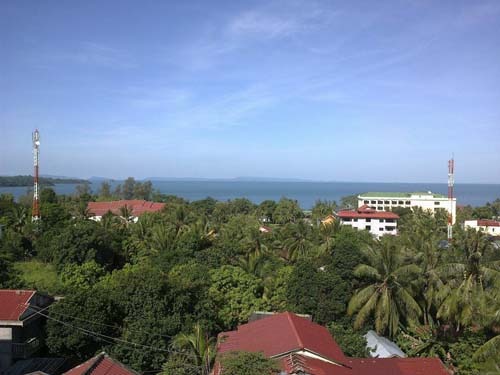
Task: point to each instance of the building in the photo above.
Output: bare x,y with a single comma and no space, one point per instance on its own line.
20,325
382,347
386,201
101,364
491,227
376,222
136,208
302,347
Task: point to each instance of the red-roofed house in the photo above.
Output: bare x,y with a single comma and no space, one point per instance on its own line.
101,364
366,218
491,227
20,325
136,207
306,348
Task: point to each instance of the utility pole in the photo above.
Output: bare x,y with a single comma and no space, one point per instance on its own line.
451,182
36,186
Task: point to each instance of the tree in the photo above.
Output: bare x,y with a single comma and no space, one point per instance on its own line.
8,276
352,343
128,188
265,211
321,209
105,191
321,293
246,363
235,293
287,211
387,294
469,281
298,242
198,348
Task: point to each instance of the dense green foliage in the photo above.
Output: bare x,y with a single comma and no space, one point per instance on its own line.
243,363
154,294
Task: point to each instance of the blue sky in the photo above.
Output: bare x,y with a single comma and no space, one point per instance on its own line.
333,90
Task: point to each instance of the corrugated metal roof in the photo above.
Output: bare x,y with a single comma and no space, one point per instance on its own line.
13,303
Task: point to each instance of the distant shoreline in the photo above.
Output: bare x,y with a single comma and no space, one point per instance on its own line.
27,180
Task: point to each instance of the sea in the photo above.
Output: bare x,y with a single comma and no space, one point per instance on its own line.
306,193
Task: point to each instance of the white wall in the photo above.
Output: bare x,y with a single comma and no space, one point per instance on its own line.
378,227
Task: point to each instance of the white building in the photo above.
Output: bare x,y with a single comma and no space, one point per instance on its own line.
386,201
376,222
491,227
381,347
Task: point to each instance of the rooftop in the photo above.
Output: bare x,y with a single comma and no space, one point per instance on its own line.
365,212
385,194
101,364
136,206
14,303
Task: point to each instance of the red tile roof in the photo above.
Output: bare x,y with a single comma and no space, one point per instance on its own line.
488,223
365,212
280,334
101,364
13,303
398,366
301,345
138,207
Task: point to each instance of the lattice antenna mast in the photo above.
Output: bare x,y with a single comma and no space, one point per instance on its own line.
451,182
36,187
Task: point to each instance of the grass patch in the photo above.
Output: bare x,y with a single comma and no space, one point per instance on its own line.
38,275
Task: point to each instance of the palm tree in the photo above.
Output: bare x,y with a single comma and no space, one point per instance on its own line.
252,263
19,215
469,283
298,241
126,214
198,348
254,242
327,233
387,294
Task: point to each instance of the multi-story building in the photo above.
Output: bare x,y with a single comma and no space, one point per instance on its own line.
491,227
20,324
376,222
386,201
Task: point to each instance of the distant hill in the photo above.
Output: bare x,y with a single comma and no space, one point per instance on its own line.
47,181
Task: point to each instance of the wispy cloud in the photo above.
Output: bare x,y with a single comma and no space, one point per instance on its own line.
95,54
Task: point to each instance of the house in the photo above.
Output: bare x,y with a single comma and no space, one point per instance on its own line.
302,347
382,347
386,201
491,227
376,222
20,324
101,364
136,208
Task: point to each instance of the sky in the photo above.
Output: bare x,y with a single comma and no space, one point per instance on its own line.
323,90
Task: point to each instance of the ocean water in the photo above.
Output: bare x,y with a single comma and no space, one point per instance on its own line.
306,193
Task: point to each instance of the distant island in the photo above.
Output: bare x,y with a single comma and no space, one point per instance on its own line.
46,181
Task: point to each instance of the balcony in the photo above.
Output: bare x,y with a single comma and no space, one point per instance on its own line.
26,349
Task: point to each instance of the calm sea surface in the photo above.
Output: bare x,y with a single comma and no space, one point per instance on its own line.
306,193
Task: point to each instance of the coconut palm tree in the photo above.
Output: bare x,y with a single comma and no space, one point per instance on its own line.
387,294
198,348
298,241
19,215
471,282
327,233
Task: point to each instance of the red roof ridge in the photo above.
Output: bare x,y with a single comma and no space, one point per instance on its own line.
294,329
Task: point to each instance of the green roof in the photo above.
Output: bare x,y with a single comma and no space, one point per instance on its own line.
385,194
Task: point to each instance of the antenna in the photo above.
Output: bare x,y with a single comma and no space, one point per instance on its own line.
451,182
36,188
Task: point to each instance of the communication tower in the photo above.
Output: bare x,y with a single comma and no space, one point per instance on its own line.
451,182
36,187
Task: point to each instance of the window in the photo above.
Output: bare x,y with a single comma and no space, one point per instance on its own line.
379,202
381,220
408,203
394,202
380,208
374,202
355,220
346,219
368,227
389,220
390,228
400,202
437,203
386,202
381,229
366,202
368,220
